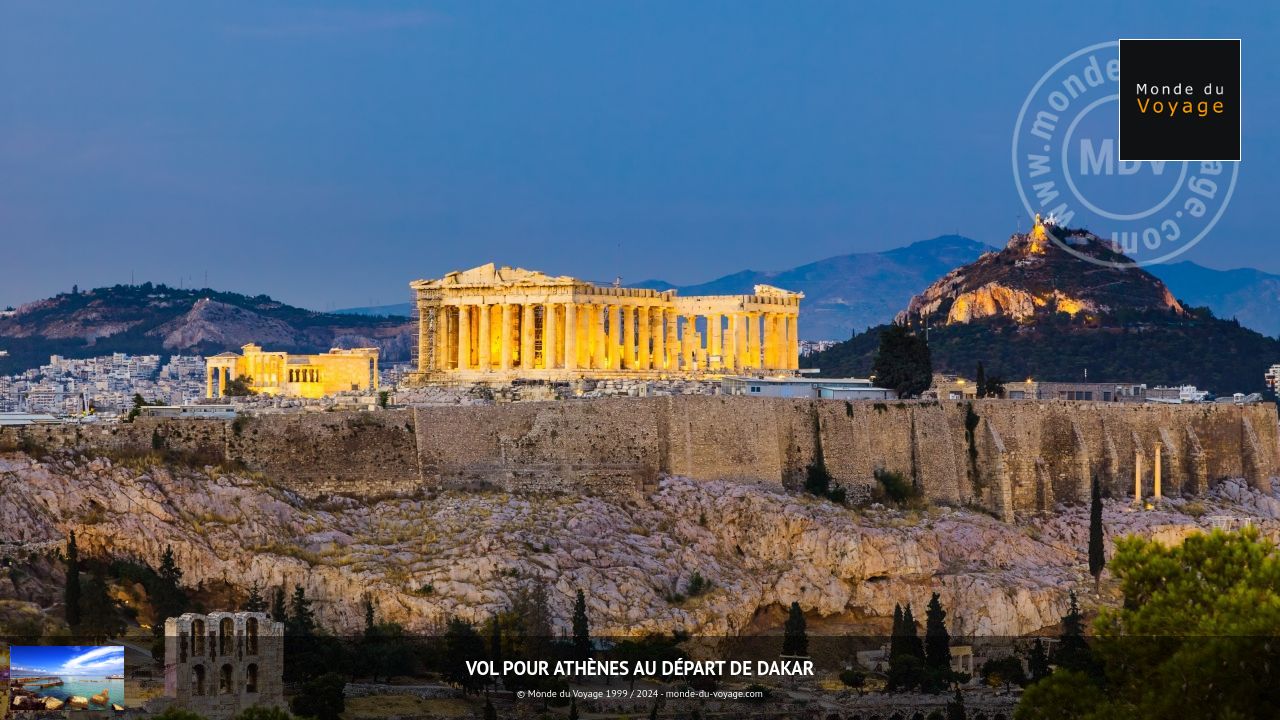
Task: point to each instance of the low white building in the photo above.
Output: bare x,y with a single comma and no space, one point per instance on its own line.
1273,378
791,387
215,412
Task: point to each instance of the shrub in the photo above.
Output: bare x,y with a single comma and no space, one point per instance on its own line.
895,486
853,678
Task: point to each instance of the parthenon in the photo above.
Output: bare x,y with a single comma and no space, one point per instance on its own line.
497,324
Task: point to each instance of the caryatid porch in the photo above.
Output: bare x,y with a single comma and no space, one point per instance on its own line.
501,324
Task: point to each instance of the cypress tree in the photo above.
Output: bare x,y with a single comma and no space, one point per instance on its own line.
895,639
573,709
795,639
937,645
581,629
1038,662
302,621
981,381
278,612
255,602
495,644
71,596
490,713
1097,555
911,634
368,616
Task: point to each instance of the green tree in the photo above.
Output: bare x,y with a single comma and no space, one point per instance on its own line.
1004,671
581,629
937,646
573,709
1037,662
1073,652
1193,638
1097,551
980,381
495,643
795,638
490,712
255,602
321,698
71,594
98,613
462,644
906,656
240,386
301,621
278,608
903,363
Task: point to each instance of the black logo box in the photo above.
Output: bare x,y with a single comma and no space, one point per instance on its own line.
1183,64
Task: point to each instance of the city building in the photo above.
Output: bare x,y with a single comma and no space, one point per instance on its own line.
801,387
1273,378
952,387
492,324
207,412
282,373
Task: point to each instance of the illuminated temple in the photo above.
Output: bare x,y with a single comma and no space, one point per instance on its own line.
501,324
271,372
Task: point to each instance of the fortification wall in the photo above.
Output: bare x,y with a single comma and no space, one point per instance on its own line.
1009,456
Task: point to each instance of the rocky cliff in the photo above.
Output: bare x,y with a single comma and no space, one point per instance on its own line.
434,555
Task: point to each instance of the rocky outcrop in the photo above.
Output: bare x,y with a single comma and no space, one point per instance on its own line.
1036,275
463,554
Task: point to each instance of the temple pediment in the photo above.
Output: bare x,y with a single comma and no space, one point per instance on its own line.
490,275
771,291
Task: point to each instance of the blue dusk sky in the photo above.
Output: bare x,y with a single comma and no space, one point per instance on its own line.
328,153
84,660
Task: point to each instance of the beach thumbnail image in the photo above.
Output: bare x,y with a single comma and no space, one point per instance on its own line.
66,677
4,679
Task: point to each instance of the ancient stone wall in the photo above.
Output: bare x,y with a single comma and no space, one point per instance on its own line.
1005,455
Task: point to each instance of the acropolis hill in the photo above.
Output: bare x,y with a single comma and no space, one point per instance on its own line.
497,324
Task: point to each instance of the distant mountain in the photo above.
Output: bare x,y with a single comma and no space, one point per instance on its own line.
859,290
155,319
1034,310
1248,295
396,310
849,292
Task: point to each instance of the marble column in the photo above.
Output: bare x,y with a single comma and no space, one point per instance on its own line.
688,343
793,341
642,343
424,320
730,345
658,330
527,341
464,337
769,340
444,338
485,339
628,337
570,336
753,340
208,381
614,360
550,341
599,341
505,338
673,340
715,344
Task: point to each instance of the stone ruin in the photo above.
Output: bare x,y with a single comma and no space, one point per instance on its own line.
219,664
